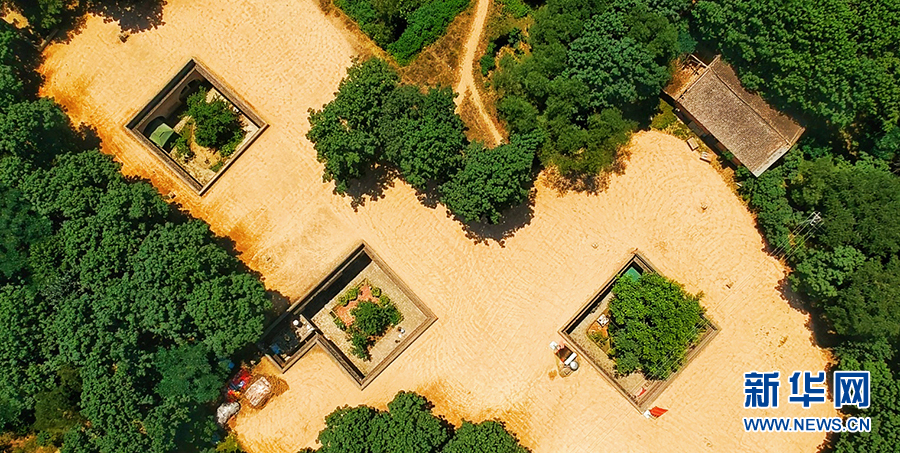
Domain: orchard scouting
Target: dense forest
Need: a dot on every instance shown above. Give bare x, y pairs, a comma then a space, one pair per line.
118, 313
835, 65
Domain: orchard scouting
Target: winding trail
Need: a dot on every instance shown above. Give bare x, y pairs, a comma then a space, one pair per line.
466, 85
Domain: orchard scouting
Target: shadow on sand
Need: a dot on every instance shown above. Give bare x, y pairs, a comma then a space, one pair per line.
132, 16
372, 186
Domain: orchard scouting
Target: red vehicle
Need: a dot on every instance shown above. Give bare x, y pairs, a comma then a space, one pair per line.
237, 384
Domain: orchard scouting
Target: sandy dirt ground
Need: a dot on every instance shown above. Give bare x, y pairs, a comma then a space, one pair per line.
466, 84
498, 305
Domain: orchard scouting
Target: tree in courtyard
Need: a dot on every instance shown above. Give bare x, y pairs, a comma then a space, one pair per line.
216, 124
491, 181
653, 322
344, 131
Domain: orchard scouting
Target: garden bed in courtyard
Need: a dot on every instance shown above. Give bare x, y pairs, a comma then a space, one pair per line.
365, 327
361, 314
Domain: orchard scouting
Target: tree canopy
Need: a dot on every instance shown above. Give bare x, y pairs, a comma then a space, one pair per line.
491, 181
653, 322
593, 73
403, 27
408, 426
374, 121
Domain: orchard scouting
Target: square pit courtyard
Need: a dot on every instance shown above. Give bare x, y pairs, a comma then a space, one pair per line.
635, 387
311, 320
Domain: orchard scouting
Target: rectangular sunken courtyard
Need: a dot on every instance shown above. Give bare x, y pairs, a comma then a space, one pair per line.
587, 333
362, 314
197, 126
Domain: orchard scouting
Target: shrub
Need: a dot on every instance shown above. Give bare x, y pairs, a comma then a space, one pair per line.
229, 445
183, 149
216, 125
515, 8
338, 321
664, 118
488, 62
597, 337
376, 291
360, 344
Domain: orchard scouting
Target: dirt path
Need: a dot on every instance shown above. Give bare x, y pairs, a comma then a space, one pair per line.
466, 85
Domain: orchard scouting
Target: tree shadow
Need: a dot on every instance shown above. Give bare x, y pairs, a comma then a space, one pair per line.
821, 334
132, 15
592, 184
370, 187
513, 220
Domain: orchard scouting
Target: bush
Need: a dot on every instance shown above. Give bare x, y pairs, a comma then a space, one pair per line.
338, 321
360, 344
664, 118
183, 149
229, 445
216, 125
376, 291
488, 62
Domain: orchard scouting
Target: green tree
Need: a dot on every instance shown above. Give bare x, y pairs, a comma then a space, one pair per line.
491, 181
216, 124
879, 358
185, 371
593, 73
354, 430
412, 428
826, 59
485, 437
34, 130
820, 273
344, 131
422, 135
622, 57
20, 227
870, 305
653, 322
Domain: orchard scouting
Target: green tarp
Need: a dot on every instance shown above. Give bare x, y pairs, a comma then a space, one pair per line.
163, 136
